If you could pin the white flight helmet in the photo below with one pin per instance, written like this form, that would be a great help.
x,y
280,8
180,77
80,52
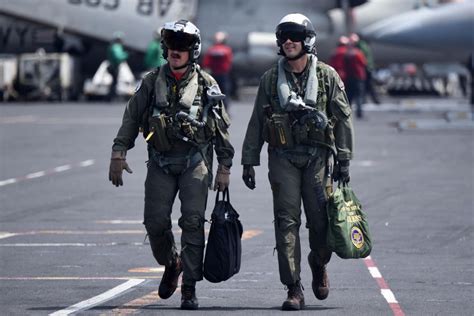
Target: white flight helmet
x,y
181,35
297,28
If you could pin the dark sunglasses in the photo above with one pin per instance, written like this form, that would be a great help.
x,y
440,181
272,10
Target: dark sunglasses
x,y
293,36
179,41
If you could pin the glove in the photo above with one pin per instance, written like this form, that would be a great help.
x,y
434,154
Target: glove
x,y
248,175
117,165
222,180
341,171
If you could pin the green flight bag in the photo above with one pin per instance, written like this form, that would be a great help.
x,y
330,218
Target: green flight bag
x,y
348,231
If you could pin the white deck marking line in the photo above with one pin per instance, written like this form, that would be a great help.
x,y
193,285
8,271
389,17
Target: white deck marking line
x,y
119,221
35,175
247,234
86,163
8,181
62,168
6,235
389,296
364,163
42,173
126,221
384,289
72,244
374,271
96,300
93,278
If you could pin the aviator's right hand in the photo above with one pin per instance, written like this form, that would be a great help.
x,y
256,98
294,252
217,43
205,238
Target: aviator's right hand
x,y
248,175
117,165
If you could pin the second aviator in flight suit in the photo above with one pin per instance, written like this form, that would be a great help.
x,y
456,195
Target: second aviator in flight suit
x,y
304,117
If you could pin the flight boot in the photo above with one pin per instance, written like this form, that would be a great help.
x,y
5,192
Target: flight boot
x,y
169,281
320,282
295,299
189,300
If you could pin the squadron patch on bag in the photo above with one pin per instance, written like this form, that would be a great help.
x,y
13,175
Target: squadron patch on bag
x,y
357,237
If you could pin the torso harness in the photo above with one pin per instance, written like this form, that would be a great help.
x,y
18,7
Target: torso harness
x,y
180,128
296,124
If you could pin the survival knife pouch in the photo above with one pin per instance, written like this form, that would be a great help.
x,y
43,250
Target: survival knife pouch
x,y
277,131
158,130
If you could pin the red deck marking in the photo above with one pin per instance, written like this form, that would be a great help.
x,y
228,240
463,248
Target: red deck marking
x,y
384,289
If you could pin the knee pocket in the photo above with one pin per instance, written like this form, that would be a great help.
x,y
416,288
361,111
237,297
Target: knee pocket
x,y
191,223
287,229
193,230
286,222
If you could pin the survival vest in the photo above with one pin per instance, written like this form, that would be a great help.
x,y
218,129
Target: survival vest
x,y
283,130
161,126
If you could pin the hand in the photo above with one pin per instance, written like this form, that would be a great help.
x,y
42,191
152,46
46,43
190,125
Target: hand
x,y
341,171
248,175
222,180
117,165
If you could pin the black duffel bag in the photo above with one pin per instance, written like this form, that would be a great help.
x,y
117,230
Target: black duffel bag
x,y
224,247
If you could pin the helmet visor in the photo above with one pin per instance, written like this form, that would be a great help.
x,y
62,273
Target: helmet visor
x,y
178,40
293,36
291,31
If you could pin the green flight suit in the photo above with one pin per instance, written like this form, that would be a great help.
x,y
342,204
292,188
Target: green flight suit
x,y
181,169
296,174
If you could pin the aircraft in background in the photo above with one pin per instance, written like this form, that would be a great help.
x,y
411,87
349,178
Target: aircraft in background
x,y
87,26
439,40
446,29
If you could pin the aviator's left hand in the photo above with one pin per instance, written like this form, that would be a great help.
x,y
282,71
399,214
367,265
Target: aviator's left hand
x,y
222,180
341,171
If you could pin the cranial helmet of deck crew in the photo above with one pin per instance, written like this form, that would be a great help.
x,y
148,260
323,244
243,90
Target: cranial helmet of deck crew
x,y
220,37
181,35
297,28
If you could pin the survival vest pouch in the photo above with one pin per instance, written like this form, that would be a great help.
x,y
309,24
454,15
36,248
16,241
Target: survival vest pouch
x,y
277,131
224,248
348,231
158,137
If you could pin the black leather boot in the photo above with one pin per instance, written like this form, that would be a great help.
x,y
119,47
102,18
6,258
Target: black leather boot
x,y
169,281
188,298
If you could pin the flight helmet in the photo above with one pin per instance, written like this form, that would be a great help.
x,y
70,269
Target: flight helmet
x,y
181,35
297,28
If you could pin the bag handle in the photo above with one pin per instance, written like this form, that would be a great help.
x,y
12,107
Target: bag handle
x,y
225,194
344,184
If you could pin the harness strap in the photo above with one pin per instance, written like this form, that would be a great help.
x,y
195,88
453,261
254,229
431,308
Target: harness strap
x,y
192,159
